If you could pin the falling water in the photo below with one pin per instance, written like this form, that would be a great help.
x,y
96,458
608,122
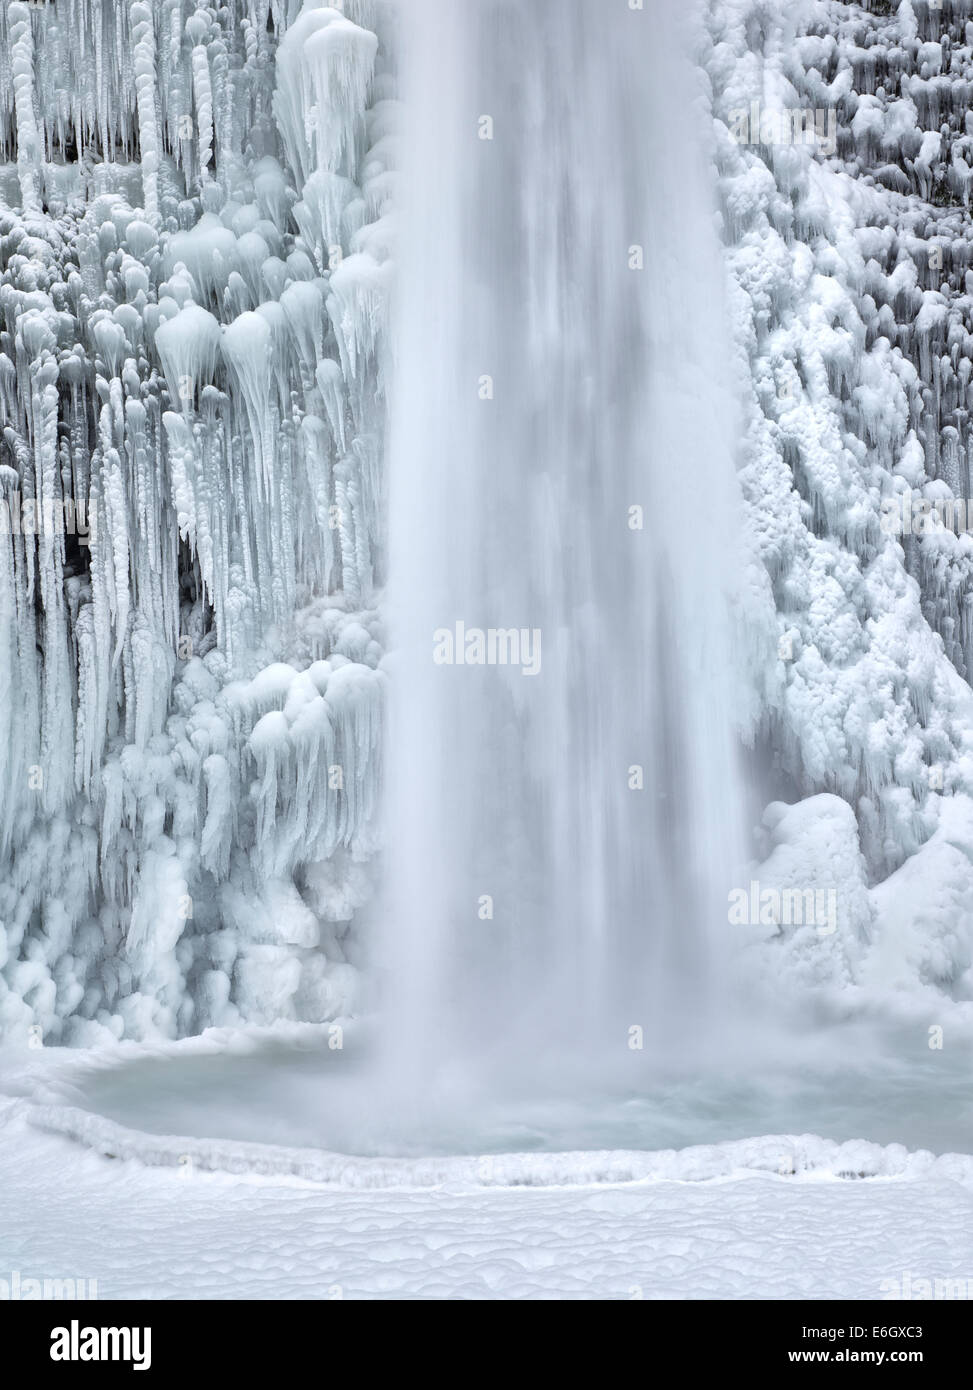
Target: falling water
x,y
560,828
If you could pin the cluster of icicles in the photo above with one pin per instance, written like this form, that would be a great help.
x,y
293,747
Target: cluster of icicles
x,y
194,280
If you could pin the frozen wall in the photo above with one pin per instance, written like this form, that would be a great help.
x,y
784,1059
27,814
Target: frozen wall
x,y
850,246
194,274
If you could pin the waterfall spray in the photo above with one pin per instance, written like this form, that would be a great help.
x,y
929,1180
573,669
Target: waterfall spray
x,y
561,827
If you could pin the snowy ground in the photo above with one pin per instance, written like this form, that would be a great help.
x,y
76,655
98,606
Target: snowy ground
x,y
153,1233
725,1221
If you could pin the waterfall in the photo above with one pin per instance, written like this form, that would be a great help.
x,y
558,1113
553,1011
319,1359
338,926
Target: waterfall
x,y
219,571
563,804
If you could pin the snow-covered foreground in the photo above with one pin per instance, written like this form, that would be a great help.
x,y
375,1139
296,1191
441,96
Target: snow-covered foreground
x,y
83,1196
149,1232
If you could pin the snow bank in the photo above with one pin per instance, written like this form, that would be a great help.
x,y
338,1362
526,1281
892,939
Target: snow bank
x,y
786,1156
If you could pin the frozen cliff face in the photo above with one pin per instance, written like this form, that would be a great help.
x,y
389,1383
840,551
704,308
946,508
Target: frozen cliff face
x,y
196,234
845,150
194,271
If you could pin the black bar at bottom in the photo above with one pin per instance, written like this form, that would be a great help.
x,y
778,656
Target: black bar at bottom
x,y
352,1338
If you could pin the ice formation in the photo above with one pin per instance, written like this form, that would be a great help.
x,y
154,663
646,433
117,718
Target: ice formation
x,y
195,217
850,262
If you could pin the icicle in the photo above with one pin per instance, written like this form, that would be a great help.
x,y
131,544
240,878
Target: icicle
x,y
143,35
29,150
